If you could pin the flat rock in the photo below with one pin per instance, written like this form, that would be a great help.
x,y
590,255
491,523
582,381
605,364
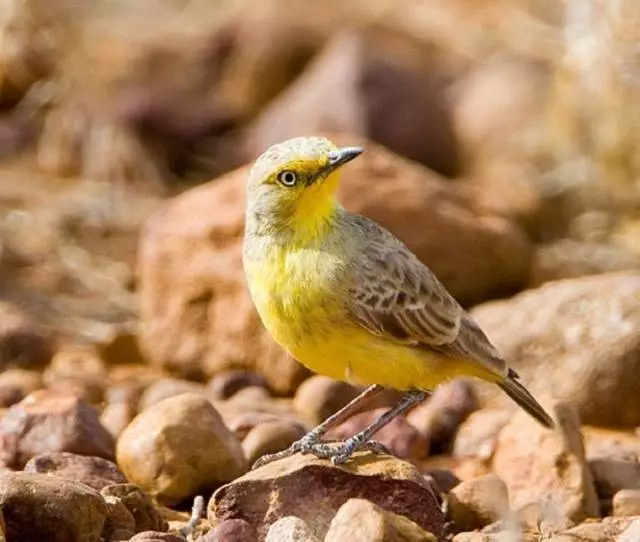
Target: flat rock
x,y
476,503
313,490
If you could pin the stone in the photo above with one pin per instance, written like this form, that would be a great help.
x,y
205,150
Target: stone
x,y
588,532
37,507
401,438
544,518
478,434
178,448
243,423
631,533
470,468
282,488
116,417
320,396
155,536
271,437
439,418
22,342
190,262
119,347
538,464
231,530
46,422
226,384
169,387
476,503
575,340
290,529
145,515
626,502
505,536
120,521
360,520
95,472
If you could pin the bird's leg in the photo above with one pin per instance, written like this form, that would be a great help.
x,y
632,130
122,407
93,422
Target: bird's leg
x,y
311,439
341,452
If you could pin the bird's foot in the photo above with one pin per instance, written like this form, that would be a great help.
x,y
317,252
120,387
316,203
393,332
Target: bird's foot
x,y
305,445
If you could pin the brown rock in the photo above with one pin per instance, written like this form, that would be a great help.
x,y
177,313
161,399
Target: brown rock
x,y
116,417
626,502
119,535
118,347
400,438
179,447
169,387
478,434
536,463
228,383
139,505
155,536
190,263
588,532
271,437
243,423
45,422
495,537
574,339
320,396
543,518
22,342
478,502
120,522
96,472
359,520
231,530
282,488
290,529
37,507
438,418
443,479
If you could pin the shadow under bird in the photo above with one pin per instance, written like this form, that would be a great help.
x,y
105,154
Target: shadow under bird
x,y
349,300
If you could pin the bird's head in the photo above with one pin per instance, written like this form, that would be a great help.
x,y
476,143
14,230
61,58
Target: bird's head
x,y
293,184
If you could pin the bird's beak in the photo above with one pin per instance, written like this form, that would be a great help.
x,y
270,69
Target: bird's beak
x,y
337,159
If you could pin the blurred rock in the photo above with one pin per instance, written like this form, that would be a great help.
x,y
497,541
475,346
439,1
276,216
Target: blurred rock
x,y
367,82
478,434
536,463
506,536
45,422
243,423
478,502
591,532
471,468
155,536
22,342
626,502
231,530
575,340
443,479
401,438
96,472
138,503
320,396
543,518
120,523
271,437
116,417
37,507
631,533
226,384
614,474
169,387
360,520
119,347
438,418
290,529
179,447
282,488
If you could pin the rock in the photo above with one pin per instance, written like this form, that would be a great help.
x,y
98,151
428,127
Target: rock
x,y
543,518
37,507
116,417
631,533
228,383
471,468
478,434
360,520
495,537
243,423
96,472
401,438
120,523
270,437
443,479
588,532
119,347
179,447
155,536
22,342
169,387
190,263
320,396
363,83
282,488
536,463
626,502
46,422
231,530
438,418
139,505
290,529
478,502
575,340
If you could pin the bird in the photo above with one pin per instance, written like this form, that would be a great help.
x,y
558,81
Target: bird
x,y
349,300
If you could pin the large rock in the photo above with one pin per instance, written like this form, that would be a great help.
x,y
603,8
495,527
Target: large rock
x,y
290,529
478,502
179,447
538,464
37,507
197,317
314,490
575,339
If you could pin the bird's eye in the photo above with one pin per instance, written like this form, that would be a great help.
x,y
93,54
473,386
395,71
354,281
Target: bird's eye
x,y
287,178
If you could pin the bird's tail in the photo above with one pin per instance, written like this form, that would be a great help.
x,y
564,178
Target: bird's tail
x,y
514,389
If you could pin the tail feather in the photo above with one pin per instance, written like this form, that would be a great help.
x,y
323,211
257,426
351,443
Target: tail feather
x,y
521,395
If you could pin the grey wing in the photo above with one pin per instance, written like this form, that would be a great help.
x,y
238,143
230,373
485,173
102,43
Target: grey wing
x,y
396,296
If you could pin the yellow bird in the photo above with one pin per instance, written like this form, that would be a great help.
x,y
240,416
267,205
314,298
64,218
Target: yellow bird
x,y
349,300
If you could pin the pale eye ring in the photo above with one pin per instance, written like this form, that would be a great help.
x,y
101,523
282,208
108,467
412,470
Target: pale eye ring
x,y
288,178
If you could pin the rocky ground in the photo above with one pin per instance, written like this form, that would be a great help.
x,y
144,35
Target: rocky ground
x,y
137,384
